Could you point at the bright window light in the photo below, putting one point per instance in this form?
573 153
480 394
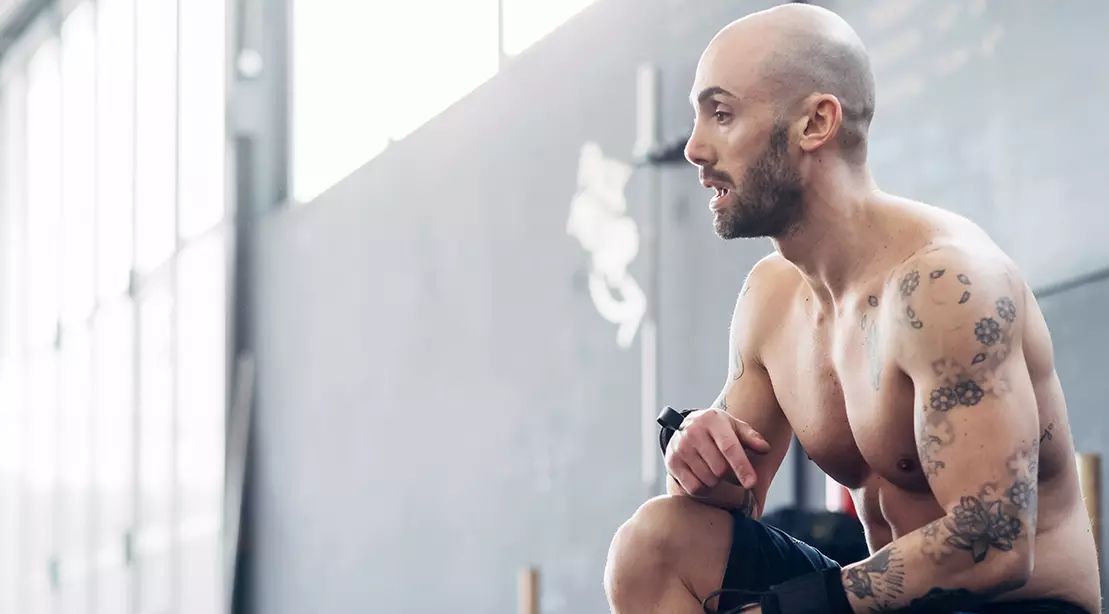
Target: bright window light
43 194
365 73
13 149
114 402
155 450
156 131
201 180
78 163
527 21
115 111
74 426
41 459
201 339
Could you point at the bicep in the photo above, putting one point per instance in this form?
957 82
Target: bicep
976 418
976 431
749 396
747 393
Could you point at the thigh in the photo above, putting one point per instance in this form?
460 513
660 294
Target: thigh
762 556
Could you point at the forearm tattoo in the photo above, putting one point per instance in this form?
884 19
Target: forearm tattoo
996 519
881 577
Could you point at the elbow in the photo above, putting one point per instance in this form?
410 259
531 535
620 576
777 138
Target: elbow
1014 570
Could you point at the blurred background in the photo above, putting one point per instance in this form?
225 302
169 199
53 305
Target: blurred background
367 306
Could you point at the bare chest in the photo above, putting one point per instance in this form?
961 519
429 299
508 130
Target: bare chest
848 403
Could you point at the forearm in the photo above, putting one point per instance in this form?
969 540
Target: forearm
948 563
726 495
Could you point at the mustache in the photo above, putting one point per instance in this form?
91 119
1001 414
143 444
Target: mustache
717 175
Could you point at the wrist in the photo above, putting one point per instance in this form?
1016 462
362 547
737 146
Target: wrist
819 592
671 421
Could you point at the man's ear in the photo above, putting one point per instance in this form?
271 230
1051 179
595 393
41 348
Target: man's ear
821 121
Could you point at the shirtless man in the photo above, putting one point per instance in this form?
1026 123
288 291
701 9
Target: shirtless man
895 339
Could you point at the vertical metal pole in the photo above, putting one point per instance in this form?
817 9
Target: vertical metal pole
647 138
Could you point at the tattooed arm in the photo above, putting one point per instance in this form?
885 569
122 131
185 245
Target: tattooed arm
977 434
747 396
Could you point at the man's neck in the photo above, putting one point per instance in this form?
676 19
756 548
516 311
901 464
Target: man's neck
842 233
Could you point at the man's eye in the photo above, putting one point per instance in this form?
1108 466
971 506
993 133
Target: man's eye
721 116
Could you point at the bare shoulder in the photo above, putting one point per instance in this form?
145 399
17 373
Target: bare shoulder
957 272
968 291
772 282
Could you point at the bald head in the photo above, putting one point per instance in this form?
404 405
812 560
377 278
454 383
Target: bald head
783 101
790 52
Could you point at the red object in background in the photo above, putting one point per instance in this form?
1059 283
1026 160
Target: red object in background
848 503
838 499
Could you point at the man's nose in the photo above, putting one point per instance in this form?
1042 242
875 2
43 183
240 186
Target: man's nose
698 152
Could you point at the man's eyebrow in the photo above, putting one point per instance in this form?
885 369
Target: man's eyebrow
709 92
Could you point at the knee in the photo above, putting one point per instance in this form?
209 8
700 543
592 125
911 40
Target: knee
667 538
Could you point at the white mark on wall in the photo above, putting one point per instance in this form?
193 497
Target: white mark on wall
599 221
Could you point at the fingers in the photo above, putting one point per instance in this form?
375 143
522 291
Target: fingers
729 445
750 437
707 450
702 471
685 476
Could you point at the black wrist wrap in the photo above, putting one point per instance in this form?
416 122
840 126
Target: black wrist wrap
820 592
670 420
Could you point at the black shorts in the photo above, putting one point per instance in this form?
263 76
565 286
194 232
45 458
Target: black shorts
763 556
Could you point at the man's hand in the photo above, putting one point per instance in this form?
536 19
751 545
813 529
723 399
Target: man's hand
709 447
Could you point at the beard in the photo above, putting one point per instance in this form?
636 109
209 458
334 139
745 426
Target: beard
769 200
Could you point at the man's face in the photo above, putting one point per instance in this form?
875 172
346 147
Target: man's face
741 147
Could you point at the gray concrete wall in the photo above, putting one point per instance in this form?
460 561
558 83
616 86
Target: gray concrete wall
1081 336
982 109
440 402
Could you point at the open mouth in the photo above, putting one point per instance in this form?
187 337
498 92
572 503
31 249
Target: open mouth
721 193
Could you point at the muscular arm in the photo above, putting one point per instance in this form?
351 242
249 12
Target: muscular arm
976 420
748 395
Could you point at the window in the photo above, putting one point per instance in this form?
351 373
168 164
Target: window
201 316
155 436
11 483
113 437
115 115
201 181
155 131
39 474
13 407
13 155
78 88
201 389
43 194
112 194
74 456
362 74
